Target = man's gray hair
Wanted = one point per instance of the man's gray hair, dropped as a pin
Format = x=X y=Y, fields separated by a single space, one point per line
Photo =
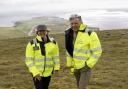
x=73 y=16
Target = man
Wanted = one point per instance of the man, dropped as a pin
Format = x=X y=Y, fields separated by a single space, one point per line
x=83 y=50
x=42 y=57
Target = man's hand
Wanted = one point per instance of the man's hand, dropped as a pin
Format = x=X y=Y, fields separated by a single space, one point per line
x=37 y=77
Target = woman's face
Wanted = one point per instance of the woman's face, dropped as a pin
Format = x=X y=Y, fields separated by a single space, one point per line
x=42 y=33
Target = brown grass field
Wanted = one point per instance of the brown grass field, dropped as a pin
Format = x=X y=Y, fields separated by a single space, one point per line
x=111 y=72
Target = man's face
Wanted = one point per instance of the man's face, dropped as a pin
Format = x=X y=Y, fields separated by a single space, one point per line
x=75 y=24
x=42 y=33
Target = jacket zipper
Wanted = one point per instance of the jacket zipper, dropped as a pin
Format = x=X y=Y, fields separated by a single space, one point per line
x=44 y=62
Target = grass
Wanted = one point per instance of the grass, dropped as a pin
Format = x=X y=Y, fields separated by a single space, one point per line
x=111 y=72
x=10 y=32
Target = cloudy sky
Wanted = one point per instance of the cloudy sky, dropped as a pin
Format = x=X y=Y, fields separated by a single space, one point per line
x=53 y=6
x=13 y=10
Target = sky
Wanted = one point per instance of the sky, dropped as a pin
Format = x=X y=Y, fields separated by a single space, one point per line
x=14 y=10
x=54 y=6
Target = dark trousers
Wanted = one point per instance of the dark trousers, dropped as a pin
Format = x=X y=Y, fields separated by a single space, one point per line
x=82 y=77
x=43 y=83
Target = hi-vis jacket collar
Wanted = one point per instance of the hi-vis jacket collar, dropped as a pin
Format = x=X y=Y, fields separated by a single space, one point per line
x=38 y=38
x=82 y=27
x=48 y=39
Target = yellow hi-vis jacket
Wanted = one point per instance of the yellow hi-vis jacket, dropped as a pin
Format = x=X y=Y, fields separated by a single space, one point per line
x=40 y=64
x=87 y=50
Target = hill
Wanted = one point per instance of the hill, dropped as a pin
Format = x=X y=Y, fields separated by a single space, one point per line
x=56 y=24
x=25 y=28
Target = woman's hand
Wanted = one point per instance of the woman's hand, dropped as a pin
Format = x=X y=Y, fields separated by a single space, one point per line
x=37 y=77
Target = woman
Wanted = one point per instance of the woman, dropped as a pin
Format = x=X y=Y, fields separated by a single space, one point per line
x=42 y=57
